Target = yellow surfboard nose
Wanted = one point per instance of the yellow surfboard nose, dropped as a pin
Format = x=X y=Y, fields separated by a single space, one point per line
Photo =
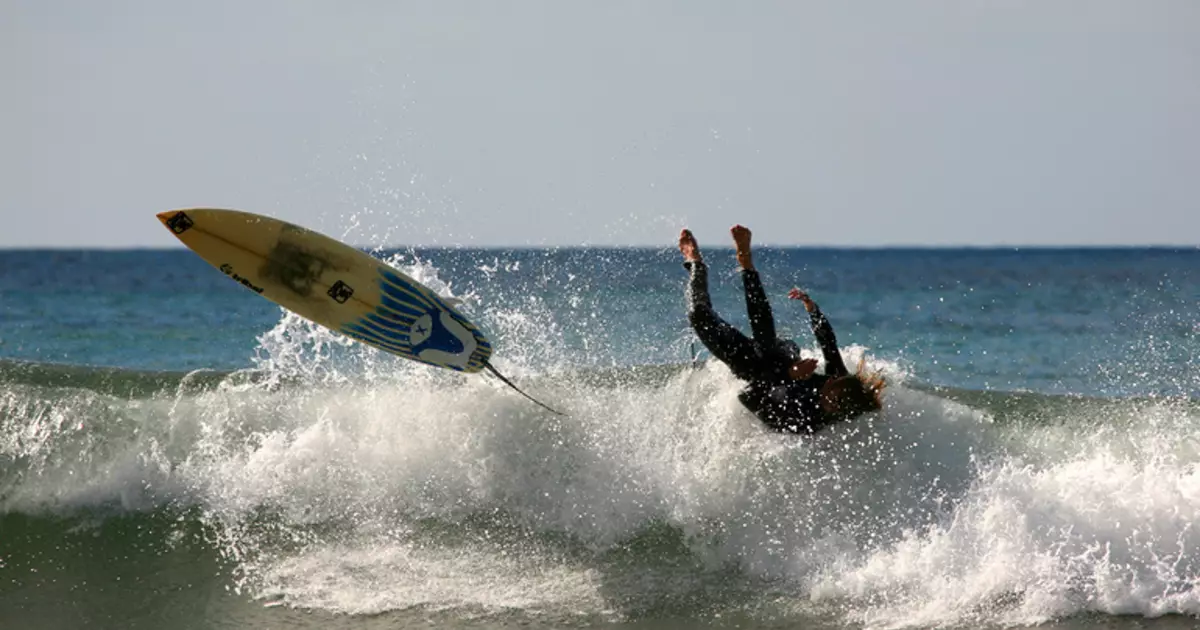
x=175 y=220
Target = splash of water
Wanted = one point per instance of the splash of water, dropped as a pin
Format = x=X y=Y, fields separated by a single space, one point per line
x=341 y=478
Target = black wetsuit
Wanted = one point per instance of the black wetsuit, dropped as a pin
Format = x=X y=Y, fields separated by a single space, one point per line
x=781 y=402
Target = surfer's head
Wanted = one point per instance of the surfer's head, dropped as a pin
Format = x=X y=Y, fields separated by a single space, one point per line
x=853 y=395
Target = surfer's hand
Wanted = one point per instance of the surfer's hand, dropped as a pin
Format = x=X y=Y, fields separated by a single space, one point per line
x=802 y=369
x=797 y=294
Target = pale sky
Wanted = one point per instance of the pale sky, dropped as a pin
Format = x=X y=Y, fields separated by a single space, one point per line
x=478 y=123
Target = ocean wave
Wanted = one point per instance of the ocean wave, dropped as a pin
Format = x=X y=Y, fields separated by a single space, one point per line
x=335 y=478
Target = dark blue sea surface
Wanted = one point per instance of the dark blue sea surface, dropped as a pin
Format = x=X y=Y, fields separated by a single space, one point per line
x=1083 y=321
x=177 y=452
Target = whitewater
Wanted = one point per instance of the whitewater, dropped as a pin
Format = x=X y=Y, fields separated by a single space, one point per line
x=327 y=483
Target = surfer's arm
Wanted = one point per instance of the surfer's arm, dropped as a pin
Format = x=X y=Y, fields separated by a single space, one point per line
x=834 y=366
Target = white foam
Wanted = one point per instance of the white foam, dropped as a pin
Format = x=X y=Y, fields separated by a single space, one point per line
x=380 y=576
x=1102 y=522
x=321 y=478
x=371 y=457
x=79 y=450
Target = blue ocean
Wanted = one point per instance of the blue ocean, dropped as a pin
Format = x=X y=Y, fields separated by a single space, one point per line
x=177 y=452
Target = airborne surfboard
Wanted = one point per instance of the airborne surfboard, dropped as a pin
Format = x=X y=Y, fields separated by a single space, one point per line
x=334 y=285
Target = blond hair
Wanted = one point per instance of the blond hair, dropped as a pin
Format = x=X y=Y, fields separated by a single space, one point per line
x=855 y=394
x=873 y=381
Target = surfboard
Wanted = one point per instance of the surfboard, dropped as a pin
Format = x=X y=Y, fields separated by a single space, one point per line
x=332 y=284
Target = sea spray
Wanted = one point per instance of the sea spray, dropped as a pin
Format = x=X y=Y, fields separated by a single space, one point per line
x=337 y=479
x=1067 y=521
x=370 y=466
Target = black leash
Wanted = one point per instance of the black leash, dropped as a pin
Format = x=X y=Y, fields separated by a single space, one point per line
x=518 y=390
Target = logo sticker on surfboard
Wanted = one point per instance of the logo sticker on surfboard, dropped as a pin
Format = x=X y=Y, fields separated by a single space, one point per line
x=179 y=223
x=340 y=292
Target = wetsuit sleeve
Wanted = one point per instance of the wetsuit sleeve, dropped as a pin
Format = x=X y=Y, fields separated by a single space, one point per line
x=762 y=322
x=834 y=366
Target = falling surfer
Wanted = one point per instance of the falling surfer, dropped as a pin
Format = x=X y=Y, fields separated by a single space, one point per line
x=782 y=388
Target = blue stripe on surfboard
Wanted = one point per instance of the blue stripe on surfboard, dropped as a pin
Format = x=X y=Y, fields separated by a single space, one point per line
x=401 y=281
x=402 y=289
x=388 y=323
x=365 y=331
x=402 y=308
x=396 y=319
x=381 y=345
x=362 y=334
x=395 y=334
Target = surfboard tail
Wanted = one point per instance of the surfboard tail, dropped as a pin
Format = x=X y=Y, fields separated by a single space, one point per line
x=505 y=380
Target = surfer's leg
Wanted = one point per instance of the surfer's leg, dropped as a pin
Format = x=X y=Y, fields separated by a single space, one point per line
x=762 y=322
x=725 y=342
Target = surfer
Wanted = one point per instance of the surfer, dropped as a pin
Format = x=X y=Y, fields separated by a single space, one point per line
x=783 y=389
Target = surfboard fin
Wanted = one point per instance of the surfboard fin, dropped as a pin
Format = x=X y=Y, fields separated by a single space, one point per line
x=518 y=390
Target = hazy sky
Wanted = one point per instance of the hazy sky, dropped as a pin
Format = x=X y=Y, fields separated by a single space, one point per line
x=569 y=123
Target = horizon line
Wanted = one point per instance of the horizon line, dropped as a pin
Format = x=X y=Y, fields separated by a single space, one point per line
x=459 y=246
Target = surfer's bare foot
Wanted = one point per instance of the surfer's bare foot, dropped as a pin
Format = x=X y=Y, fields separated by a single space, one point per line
x=741 y=240
x=688 y=246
